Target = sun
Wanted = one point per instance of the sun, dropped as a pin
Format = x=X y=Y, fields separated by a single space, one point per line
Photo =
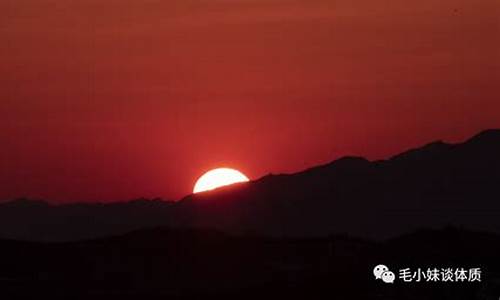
x=218 y=177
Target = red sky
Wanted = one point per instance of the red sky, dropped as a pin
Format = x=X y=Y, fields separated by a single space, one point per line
x=106 y=100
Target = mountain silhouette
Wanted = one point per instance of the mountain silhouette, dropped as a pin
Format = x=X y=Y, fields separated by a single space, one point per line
x=433 y=186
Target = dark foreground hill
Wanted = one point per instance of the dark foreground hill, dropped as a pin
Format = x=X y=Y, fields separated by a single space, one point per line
x=433 y=186
x=189 y=264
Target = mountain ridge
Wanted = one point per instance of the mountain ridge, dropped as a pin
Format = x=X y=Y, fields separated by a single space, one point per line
x=435 y=185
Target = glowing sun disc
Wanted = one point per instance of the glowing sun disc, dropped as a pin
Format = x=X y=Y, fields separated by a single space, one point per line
x=217 y=178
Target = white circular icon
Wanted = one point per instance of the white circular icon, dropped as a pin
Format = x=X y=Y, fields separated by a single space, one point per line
x=379 y=270
x=388 y=277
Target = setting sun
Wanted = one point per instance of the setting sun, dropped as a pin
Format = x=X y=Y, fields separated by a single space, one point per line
x=217 y=178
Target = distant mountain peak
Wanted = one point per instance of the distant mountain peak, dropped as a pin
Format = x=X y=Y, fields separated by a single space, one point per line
x=486 y=136
x=426 y=151
x=343 y=163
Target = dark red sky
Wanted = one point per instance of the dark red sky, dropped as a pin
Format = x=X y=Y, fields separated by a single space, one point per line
x=117 y=99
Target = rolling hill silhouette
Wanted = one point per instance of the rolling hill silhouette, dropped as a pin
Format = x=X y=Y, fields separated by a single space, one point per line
x=436 y=185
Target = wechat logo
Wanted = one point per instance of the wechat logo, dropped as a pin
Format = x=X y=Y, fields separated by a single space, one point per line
x=382 y=272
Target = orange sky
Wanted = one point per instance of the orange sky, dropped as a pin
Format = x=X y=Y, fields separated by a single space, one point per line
x=116 y=99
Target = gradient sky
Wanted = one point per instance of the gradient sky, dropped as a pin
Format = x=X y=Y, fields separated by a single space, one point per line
x=105 y=100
